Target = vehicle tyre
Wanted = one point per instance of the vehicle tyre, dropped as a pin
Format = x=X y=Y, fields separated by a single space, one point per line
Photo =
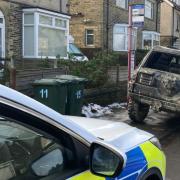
x=137 y=111
x=152 y=174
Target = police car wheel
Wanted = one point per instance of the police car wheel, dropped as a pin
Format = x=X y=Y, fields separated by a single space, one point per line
x=137 y=111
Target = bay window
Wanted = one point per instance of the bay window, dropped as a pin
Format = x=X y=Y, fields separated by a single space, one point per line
x=45 y=34
x=122 y=3
x=149 y=9
x=120 y=37
x=150 y=39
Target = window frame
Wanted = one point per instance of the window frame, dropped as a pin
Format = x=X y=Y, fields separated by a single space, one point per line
x=123 y=7
x=2 y=26
x=35 y=117
x=149 y=8
x=86 y=35
x=153 y=34
x=134 y=35
x=37 y=13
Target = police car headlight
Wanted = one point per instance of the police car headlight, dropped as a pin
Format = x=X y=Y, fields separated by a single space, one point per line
x=156 y=142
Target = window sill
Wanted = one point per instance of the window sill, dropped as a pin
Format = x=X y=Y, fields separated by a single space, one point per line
x=42 y=58
x=150 y=19
x=121 y=8
x=90 y=46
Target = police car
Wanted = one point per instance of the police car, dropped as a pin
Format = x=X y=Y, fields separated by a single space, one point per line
x=38 y=143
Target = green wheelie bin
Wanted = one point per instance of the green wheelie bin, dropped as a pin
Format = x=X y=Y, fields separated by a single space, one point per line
x=51 y=92
x=75 y=92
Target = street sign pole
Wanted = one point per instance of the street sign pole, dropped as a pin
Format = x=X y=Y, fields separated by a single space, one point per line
x=129 y=42
x=136 y=19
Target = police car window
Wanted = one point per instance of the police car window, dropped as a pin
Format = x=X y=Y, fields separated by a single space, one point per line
x=28 y=154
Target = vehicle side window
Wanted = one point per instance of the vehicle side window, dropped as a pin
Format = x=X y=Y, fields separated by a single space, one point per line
x=26 y=153
x=164 y=62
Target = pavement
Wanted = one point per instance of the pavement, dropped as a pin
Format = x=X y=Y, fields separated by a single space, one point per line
x=166 y=127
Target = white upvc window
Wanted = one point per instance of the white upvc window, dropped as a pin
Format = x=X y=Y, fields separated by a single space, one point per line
x=89 y=37
x=149 y=9
x=2 y=35
x=120 y=37
x=177 y=2
x=45 y=34
x=150 y=39
x=122 y=3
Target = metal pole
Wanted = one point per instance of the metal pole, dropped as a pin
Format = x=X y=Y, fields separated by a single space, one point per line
x=129 y=43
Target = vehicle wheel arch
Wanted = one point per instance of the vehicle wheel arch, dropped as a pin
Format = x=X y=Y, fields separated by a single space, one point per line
x=152 y=174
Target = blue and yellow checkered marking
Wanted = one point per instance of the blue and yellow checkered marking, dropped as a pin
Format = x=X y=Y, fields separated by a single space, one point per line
x=136 y=164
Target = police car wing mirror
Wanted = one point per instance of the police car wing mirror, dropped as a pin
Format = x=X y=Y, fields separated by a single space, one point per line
x=106 y=160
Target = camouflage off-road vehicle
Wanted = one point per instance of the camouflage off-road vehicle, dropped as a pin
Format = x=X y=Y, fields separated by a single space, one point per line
x=155 y=84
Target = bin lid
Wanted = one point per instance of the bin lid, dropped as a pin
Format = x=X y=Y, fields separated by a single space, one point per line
x=72 y=78
x=50 y=82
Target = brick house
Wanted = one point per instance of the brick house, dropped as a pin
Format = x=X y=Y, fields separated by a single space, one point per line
x=103 y=24
x=170 y=25
x=34 y=29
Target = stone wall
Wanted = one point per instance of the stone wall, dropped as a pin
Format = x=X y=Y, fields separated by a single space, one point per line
x=13 y=24
x=166 y=21
x=86 y=15
x=167 y=41
x=106 y=95
x=103 y=22
x=48 y=4
x=13 y=29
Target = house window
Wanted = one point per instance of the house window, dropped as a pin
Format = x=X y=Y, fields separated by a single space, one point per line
x=89 y=37
x=2 y=35
x=149 y=9
x=150 y=39
x=177 y=2
x=45 y=34
x=122 y=3
x=120 y=37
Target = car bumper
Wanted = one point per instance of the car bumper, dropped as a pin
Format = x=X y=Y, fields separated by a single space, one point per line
x=156 y=104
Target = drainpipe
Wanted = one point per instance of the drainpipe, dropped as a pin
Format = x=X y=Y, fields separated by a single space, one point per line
x=60 y=4
x=173 y=28
x=107 y=27
x=157 y=6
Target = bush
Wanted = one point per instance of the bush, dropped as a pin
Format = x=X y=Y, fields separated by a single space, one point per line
x=95 y=70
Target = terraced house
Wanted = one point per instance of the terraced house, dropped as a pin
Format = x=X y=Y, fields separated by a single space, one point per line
x=34 y=29
x=103 y=24
x=170 y=23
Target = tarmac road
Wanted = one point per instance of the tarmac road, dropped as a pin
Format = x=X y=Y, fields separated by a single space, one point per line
x=167 y=128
